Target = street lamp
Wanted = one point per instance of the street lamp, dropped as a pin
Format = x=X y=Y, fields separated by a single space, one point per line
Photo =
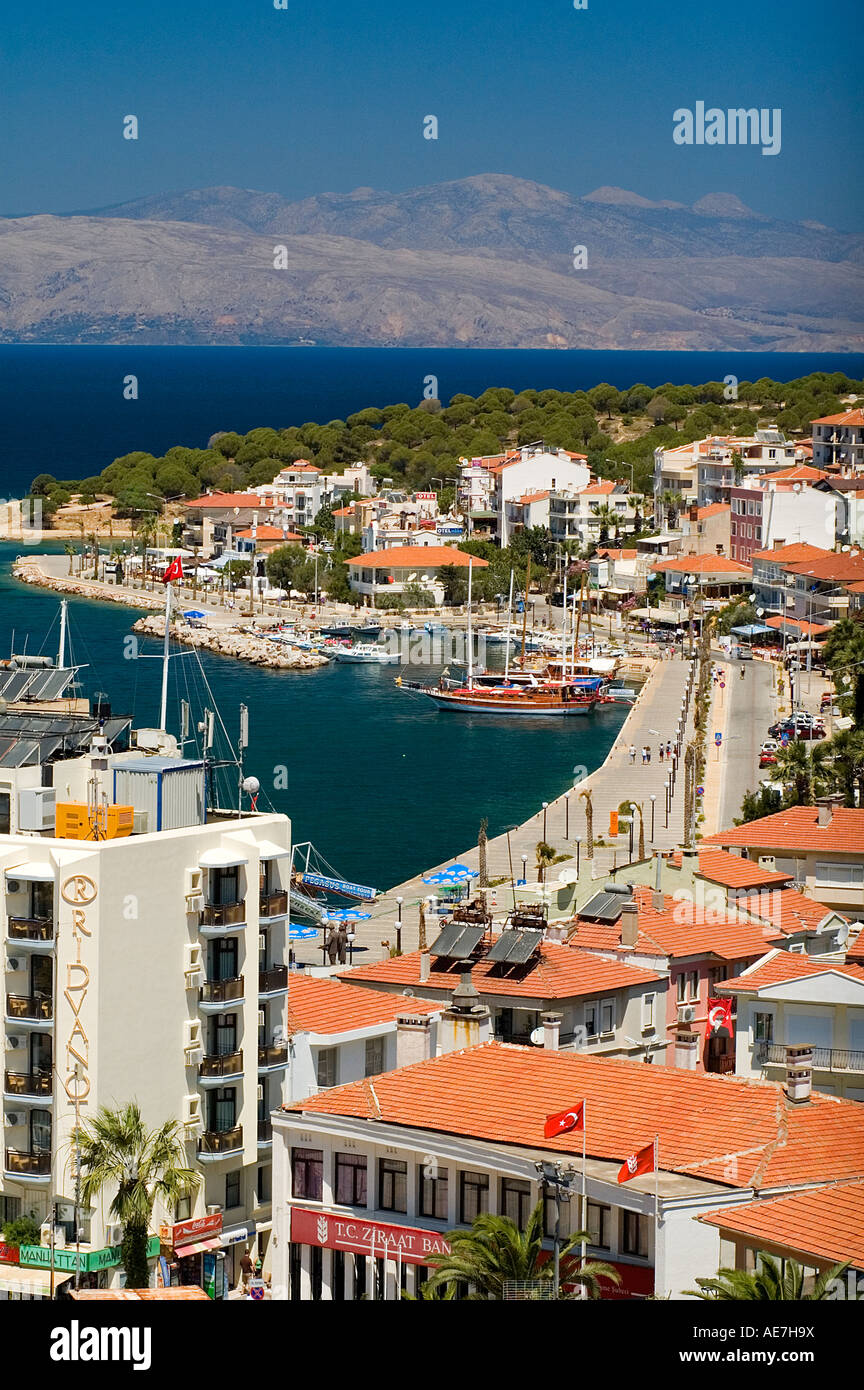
x=560 y=1182
x=545 y=807
x=578 y=854
x=653 y=800
x=507 y=831
x=524 y=868
x=399 y=926
x=566 y=815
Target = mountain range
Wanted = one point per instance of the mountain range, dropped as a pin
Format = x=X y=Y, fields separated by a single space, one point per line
x=486 y=261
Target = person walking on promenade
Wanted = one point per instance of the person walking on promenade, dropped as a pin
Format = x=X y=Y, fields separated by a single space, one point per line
x=647 y=755
x=632 y=754
x=660 y=752
x=668 y=750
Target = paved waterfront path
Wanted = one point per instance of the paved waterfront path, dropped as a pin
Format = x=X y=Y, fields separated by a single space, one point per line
x=653 y=716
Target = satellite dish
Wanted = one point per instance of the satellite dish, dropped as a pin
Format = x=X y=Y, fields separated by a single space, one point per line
x=843 y=934
x=796 y=487
x=537 y=1037
x=760 y=612
x=251 y=785
x=845 y=549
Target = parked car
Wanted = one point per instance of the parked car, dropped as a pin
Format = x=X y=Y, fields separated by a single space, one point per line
x=743 y=653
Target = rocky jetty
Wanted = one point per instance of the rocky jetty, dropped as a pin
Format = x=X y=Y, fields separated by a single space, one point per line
x=29 y=571
x=258 y=651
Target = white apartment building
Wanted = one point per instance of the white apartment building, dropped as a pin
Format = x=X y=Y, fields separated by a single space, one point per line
x=838 y=441
x=488 y=486
x=703 y=472
x=582 y=514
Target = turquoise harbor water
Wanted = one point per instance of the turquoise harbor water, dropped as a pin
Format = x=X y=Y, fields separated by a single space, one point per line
x=380 y=782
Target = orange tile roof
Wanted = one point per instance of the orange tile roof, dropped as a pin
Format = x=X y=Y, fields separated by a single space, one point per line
x=778 y=967
x=834 y=567
x=787 y=909
x=849 y=417
x=825 y=1223
x=319 y=1004
x=800 y=473
x=218 y=500
x=713 y=509
x=796 y=828
x=725 y=1129
x=797 y=550
x=621 y=554
x=532 y=497
x=778 y=622
x=417 y=557
x=681 y=930
x=702 y=564
x=558 y=973
x=855 y=952
x=601 y=487
x=732 y=871
x=268 y=533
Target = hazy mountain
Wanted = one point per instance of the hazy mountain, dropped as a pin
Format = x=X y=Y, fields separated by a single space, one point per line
x=484 y=261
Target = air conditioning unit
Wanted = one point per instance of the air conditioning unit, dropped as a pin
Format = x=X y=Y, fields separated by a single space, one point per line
x=114 y=1234
x=686 y=1013
x=13 y=1118
x=14 y=1040
x=36 y=808
x=13 y=885
x=191 y=1036
x=13 y=963
x=260 y=1093
x=140 y=822
x=192 y=1111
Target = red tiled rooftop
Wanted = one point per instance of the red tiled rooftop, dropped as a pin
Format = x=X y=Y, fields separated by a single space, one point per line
x=732 y=871
x=228 y=499
x=558 y=973
x=778 y=967
x=702 y=564
x=736 y=1132
x=800 y=473
x=321 y=1005
x=797 y=550
x=826 y=1223
x=778 y=622
x=848 y=417
x=268 y=533
x=797 y=829
x=786 y=909
x=417 y=557
x=621 y=554
x=713 y=509
x=681 y=930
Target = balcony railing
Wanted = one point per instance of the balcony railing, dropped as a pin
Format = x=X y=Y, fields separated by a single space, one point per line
x=265 y=1131
x=23 y=1083
x=275 y=1056
x=722 y=1065
x=221 y=1141
x=223 y=914
x=221 y=991
x=221 y=1064
x=30 y=929
x=824 y=1058
x=35 y=1006
x=273 y=904
x=25 y=1163
x=273 y=979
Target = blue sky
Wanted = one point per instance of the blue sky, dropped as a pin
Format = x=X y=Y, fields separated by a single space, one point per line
x=331 y=96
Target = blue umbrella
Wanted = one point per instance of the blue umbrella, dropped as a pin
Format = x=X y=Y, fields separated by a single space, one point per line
x=459 y=872
x=194 y=613
x=302 y=933
x=347 y=914
x=443 y=877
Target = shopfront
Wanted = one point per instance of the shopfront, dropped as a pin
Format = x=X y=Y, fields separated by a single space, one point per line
x=193 y=1254
x=347 y=1258
x=33 y=1279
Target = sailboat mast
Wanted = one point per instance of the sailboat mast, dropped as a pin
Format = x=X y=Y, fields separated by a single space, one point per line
x=470 y=630
x=525 y=609
x=509 y=622
x=564 y=629
x=163 y=714
x=61 y=653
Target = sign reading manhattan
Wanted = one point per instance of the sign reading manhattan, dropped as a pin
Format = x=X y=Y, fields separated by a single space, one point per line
x=365 y=1237
x=80 y=892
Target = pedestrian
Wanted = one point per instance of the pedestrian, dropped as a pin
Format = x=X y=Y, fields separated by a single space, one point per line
x=632 y=754
x=644 y=754
x=647 y=754
x=247 y=1269
x=660 y=752
x=333 y=945
x=668 y=750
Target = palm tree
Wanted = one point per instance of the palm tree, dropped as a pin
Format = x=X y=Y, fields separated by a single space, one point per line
x=71 y=551
x=672 y=502
x=589 y=824
x=494 y=1251
x=846 y=752
x=118 y=1152
x=607 y=517
x=773 y=1280
x=544 y=855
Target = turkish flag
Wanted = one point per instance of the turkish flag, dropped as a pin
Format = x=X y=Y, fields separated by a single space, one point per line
x=719 y=1014
x=174 y=570
x=564 y=1121
x=640 y=1162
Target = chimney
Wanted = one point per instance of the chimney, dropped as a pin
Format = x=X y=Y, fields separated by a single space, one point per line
x=629 y=924
x=799 y=1074
x=466 y=1021
x=825 y=808
x=425 y=966
x=413 y=1039
x=687 y=1044
x=551 y=1031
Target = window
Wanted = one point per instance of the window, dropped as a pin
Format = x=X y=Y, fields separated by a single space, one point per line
x=224 y=885
x=607 y=1016
x=263 y=1184
x=473 y=1195
x=688 y=985
x=232 y=1188
x=516 y=1200
x=374 y=1056
x=635 y=1240
x=307 y=1174
x=591 y=1020
x=648 y=1010
x=5 y=813
x=841 y=875
x=763 y=1027
x=717 y=974
x=434 y=1193
x=10 y=1209
x=327 y=1066
x=392 y=1185
x=183 y=1209
x=599 y=1224
x=351 y=1180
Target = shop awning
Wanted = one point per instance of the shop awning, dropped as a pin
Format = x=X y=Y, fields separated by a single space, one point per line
x=37 y=871
x=222 y=858
x=237 y=1234
x=268 y=850
x=33 y=1282
x=197 y=1247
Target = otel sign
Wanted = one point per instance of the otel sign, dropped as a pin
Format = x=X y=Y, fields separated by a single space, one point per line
x=80 y=892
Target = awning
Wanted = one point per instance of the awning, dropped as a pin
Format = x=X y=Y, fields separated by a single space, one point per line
x=34 y=1282
x=197 y=1247
x=236 y=1234
x=268 y=850
x=222 y=858
x=38 y=872
x=751 y=629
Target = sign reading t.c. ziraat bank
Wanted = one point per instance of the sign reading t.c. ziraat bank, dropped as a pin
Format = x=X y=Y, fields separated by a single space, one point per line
x=361 y=1237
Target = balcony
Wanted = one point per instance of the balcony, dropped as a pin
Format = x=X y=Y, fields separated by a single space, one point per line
x=216 y=1066
x=273 y=981
x=215 y=993
x=25 y=1084
x=30 y=1008
x=265 y=1133
x=721 y=1065
x=38 y=930
x=222 y=916
x=273 y=904
x=824 y=1058
x=213 y=1143
x=21 y=1163
x=275 y=1056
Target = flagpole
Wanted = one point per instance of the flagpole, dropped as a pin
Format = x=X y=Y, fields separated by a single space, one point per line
x=163 y=716
x=656 y=1205
x=584 y=1247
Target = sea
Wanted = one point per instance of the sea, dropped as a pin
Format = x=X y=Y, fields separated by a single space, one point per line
x=374 y=778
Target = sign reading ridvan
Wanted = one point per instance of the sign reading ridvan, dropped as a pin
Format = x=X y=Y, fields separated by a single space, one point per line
x=360 y=1237
x=79 y=892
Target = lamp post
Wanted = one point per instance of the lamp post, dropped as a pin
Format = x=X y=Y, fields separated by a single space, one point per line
x=653 y=800
x=559 y=1181
x=566 y=815
x=399 y=926
x=510 y=860
x=545 y=808
x=578 y=854
x=524 y=868
x=352 y=937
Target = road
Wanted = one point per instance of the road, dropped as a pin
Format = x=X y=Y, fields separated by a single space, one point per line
x=749 y=711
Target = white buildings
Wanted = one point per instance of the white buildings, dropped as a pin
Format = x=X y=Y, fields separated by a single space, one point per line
x=407 y=567
x=838 y=441
x=585 y=513
x=490 y=488
x=704 y=471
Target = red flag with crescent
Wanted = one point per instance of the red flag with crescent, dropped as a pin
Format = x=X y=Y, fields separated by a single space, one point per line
x=719 y=1014
x=564 y=1121
x=174 y=570
x=640 y=1162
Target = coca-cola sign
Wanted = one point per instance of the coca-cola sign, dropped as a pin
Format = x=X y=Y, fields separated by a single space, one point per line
x=185 y=1232
x=361 y=1237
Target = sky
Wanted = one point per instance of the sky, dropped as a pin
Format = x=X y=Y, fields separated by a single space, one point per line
x=329 y=96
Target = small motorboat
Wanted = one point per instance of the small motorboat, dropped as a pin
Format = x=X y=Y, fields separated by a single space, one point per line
x=369 y=631
x=366 y=653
